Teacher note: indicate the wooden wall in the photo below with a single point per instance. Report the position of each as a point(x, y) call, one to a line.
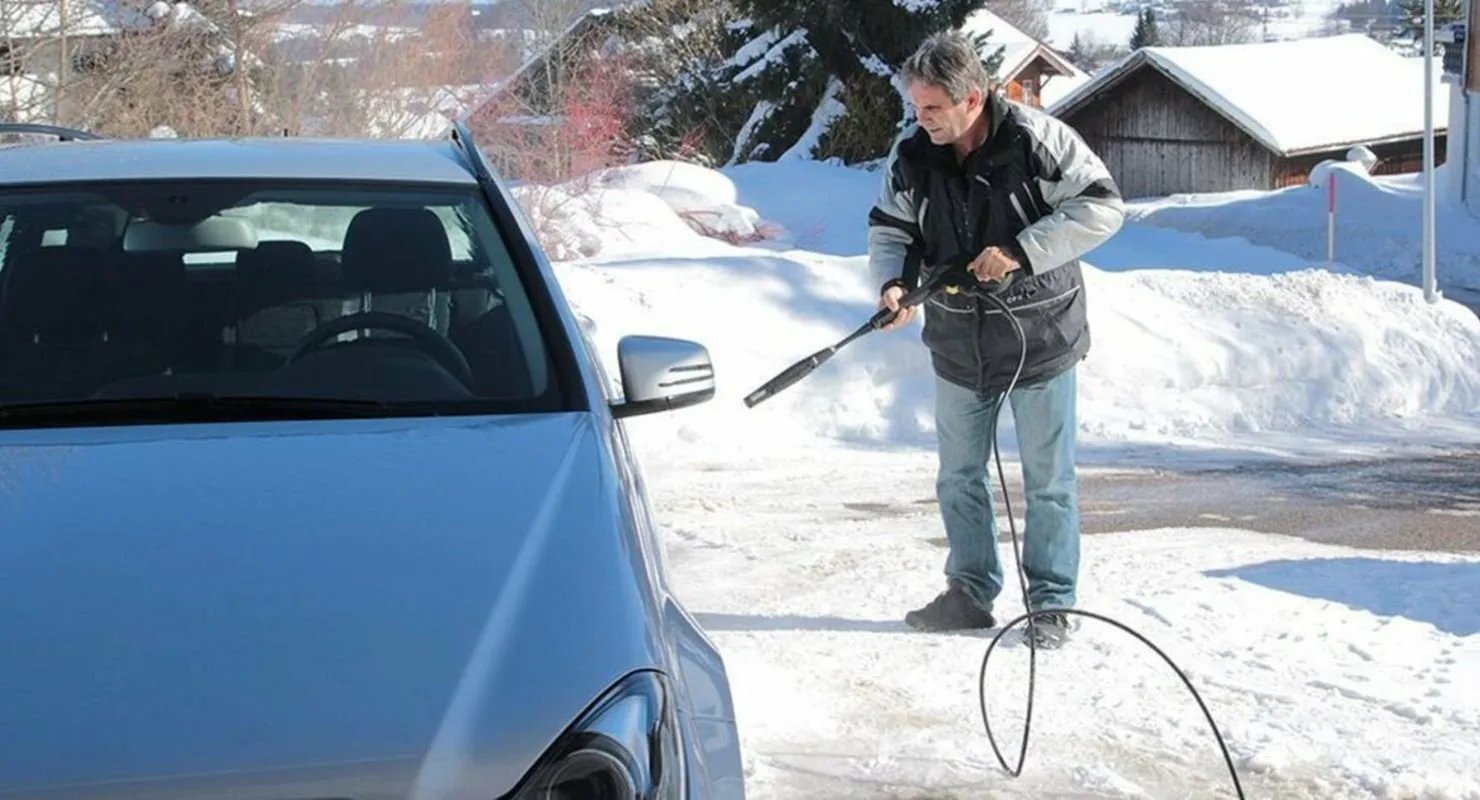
point(1394, 158)
point(1027, 84)
point(1157, 139)
point(1472, 68)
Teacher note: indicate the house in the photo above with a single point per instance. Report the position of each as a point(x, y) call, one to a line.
point(521, 118)
point(90, 62)
point(1252, 116)
point(1461, 183)
point(45, 37)
point(1030, 71)
point(526, 92)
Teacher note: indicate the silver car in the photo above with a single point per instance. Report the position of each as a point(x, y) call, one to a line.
point(312, 487)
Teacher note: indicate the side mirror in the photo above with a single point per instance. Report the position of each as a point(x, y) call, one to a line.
point(662, 374)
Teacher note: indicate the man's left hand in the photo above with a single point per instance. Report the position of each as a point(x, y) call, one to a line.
point(993, 265)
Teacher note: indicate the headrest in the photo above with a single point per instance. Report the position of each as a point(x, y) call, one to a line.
point(396, 250)
point(55, 284)
point(277, 264)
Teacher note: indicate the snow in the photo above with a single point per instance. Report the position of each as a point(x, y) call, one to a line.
point(876, 66)
point(774, 54)
point(1058, 87)
point(1103, 26)
point(1017, 47)
point(23, 98)
point(1190, 334)
point(1018, 50)
point(1331, 672)
point(801, 530)
point(624, 210)
point(754, 49)
point(703, 197)
point(44, 19)
point(1377, 224)
point(1350, 89)
point(757, 116)
point(828, 110)
point(1277, 21)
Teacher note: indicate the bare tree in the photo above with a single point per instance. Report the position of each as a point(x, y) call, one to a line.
point(1028, 16)
point(1210, 22)
point(31, 34)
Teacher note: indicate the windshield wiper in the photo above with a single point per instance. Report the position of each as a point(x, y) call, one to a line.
point(188, 407)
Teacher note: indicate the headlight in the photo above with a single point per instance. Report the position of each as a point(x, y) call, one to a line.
point(624, 748)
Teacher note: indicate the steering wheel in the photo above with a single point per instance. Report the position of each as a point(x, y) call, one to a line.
point(429, 340)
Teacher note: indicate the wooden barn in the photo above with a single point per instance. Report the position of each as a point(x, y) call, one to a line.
point(1170, 120)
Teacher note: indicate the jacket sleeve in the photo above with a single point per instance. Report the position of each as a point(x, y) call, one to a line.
point(894, 238)
point(1084, 204)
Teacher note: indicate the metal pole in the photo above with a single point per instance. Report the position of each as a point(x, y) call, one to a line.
point(1430, 290)
point(59, 97)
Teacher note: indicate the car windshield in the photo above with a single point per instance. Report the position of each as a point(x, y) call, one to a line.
point(394, 298)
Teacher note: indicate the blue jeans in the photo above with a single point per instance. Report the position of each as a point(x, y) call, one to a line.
point(1044, 416)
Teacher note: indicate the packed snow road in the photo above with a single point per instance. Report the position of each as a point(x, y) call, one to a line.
point(1332, 671)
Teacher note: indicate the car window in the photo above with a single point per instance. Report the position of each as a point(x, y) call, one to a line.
point(396, 295)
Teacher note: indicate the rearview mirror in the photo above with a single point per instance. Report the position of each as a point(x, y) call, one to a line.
point(210, 234)
point(662, 374)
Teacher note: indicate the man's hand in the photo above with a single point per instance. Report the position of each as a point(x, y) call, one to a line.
point(993, 265)
point(890, 300)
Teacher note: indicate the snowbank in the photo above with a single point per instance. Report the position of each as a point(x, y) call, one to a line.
point(1379, 224)
point(614, 210)
point(577, 222)
point(1179, 356)
point(704, 198)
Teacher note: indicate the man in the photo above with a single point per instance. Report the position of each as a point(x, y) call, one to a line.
point(1014, 195)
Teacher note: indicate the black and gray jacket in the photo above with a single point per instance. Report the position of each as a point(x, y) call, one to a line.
point(1033, 188)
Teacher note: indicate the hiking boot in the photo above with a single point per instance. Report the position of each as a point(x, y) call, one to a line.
point(1049, 631)
point(951, 610)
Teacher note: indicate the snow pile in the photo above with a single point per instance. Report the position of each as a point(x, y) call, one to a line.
point(1204, 356)
point(1179, 356)
point(574, 221)
point(706, 199)
point(1379, 223)
point(654, 204)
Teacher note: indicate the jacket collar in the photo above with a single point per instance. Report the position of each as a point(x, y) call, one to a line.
point(996, 150)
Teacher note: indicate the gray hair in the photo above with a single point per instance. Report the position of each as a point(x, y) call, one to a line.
point(948, 60)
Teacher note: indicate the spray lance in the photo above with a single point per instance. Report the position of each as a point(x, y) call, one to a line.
point(947, 279)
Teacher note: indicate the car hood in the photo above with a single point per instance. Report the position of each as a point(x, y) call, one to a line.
point(307, 609)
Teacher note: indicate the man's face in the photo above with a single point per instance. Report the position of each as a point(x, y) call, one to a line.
point(946, 121)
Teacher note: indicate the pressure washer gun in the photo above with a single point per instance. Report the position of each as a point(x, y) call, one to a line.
point(954, 277)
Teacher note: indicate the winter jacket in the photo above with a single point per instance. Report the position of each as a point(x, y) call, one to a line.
point(1033, 188)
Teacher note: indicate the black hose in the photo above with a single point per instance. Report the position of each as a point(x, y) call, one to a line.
point(1030, 616)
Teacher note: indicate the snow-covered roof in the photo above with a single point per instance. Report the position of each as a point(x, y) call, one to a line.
point(1295, 96)
point(1018, 48)
point(1059, 86)
point(23, 19)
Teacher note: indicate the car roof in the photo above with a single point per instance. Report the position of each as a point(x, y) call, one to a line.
point(286, 158)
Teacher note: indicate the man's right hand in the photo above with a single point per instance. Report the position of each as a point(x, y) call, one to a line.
point(890, 300)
